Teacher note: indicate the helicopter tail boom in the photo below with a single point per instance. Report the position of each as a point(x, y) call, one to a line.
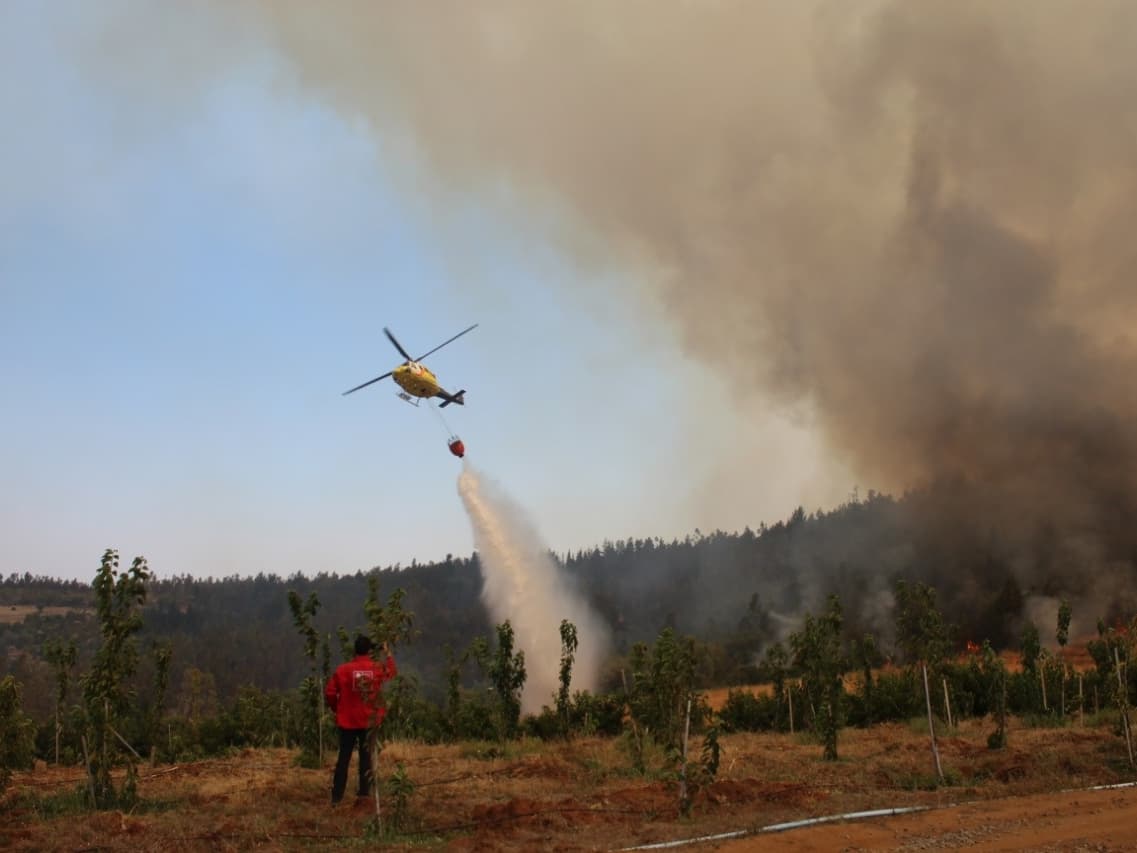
point(459, 398)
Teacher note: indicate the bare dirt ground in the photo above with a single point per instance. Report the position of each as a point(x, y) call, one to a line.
point(1087, 820)
point(583, 796)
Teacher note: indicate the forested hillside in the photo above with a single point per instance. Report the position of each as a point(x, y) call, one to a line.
point(734, 592)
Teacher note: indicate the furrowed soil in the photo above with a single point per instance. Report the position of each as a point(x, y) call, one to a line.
point(583, 796)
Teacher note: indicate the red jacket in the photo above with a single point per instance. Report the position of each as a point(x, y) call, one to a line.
point(354, 693)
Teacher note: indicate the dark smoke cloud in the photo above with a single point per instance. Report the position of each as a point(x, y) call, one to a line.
point(914, 217)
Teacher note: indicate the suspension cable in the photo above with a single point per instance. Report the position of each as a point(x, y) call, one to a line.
point(442, 418)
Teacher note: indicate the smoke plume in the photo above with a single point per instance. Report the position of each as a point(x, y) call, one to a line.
point(523, 584)
point(910, 216)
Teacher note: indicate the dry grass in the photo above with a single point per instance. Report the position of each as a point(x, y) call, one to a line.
point(1076, 655)
point(577, 796)
point(10, 614)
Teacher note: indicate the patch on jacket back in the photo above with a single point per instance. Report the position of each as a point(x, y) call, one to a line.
point(362, 681)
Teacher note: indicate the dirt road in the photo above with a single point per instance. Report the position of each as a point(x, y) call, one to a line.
point(1082, 821)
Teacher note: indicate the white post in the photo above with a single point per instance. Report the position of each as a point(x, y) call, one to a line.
point(932, 726)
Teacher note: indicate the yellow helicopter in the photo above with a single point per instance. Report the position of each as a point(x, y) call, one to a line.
point(415, 378)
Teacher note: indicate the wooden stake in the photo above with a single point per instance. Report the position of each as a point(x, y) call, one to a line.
point(373, 746)
point(1003, 710)
point(790, 696)
point(1081, 717)
point(932, 726)
point(631, 716)
point(1123, 701)
point(1042, 679)
point(90, 773)
point(683, 768)
point(122, 740)
point(947, 706)
point(1062, 696)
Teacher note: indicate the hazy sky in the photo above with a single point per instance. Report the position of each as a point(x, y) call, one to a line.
point(190, 279)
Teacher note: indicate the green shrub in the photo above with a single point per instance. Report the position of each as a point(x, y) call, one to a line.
point(897, 697)
point(597, 714)
point(545, 725)
point(17, 732)
point(475, 718)
point(745, 712)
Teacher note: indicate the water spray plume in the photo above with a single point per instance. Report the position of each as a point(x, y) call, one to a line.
point(524, 584)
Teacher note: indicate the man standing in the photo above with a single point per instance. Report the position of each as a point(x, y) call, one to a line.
point(354, 693)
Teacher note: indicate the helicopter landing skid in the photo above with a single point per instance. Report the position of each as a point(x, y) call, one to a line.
point(407, 398)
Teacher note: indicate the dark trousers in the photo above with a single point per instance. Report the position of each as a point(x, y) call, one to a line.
point(349, 738)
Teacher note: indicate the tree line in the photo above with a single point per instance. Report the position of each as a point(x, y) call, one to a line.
point(208, 664)
point(106, 715)
point(736, 592)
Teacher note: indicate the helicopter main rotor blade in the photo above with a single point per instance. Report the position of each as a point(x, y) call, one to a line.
point(444, 343)
point(365, 384)
point(398, 345)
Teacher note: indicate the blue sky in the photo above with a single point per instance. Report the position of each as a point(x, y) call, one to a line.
point(187, 288)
